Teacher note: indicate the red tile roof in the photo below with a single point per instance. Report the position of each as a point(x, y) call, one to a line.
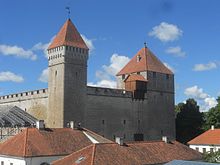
point(210, 137)
point(48, 142)
point(148, 62)
point(135, 77)
point(68, 36)
point(136, 153)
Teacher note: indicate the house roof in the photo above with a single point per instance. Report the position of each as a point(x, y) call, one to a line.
point(147, 62)
point(136, 153)
point(32, 142)
point(68, 36)
point(135, 77)
point(182, 162)
point(210, 137)
point(11, 116)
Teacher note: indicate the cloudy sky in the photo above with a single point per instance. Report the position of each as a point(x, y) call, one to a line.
point(185, 35)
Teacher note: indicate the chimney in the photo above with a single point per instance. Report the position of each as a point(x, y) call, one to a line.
point(72, 124)
point(40, 124)
point(119, 140)
point(165, 139)
point(212, 127)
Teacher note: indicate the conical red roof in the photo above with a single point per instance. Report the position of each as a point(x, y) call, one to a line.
point(68, 36)
point(147, 62)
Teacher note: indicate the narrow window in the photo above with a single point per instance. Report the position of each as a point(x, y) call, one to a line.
point(103, 122)
point(21, 94)
point(154, 74)
point(204, 150)
point(124, 121)
point(44, 91)
point(211, 149)
point(114, 136)
point(123, 77)
point(32, 93)
point(26, 93)
point(56, 73)
point(38, 92)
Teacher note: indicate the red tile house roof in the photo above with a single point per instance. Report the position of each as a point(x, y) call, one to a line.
point(147, 62)
point(136, 153)
point(68, 36)
point(32, 142)
point(210, 137)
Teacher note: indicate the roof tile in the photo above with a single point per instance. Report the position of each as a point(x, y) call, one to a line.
point(147, 62)
point(68, 36)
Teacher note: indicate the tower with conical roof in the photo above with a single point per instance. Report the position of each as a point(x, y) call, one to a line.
point(67, 55)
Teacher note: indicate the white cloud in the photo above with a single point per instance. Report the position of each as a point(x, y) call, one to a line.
point(166, 32)
point(206, 101)
point(89, 42)
point(8, 50)
point(106, 76)
point(169, 67)
point(176, 51)
point(42, 46)
point(44, 76)
point(204, 67)
point(9, 76)
point(195, 92)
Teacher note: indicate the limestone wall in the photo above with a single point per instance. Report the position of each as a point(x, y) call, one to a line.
point(34, 102)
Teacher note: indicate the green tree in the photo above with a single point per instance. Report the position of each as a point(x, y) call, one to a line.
point(189, 121)
point(212, 117)
point(212, 157)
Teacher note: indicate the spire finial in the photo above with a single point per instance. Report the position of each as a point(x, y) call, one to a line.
point(68, 11)
point(145, 44)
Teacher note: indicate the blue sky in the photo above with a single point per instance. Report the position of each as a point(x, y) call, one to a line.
point(183, 34)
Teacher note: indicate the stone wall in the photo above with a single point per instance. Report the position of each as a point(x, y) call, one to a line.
point(34, 102)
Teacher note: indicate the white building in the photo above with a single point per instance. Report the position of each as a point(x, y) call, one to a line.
point(209, 141)
point(41, 146)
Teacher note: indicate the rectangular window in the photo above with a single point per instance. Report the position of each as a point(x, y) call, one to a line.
point(138, 73)
point(197, 148)
point(103, 121)
point(123, 77)
point(154, 74)
point(211, 149)
point(2, 163)
point(203, 150)
point(11, 163)
point(124, 121)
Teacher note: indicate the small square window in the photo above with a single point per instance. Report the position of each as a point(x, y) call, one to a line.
point(211, 149)
point(138, 73)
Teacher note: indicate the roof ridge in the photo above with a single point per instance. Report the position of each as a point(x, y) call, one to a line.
point(25, 142)
point(93, 154)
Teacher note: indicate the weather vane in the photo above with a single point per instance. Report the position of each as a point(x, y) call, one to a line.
point(68, 11)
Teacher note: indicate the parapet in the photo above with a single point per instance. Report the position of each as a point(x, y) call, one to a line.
point(24, 96)
point(99, 91)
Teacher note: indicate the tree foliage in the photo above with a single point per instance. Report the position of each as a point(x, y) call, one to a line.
point(189, 121)
point(212, 157)
point(212, 117)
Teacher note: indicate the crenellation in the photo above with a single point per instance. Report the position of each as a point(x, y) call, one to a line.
point(99, 91)
point(24, 96)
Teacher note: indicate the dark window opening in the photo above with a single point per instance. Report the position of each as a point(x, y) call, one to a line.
point(154, 74)
point(113, 136)
point(123, 76)
point(124, 121)
point(32, 93)
point(56, 73)
point(204, 150)
point(138, 137)
point(103, 121)
point(197, 148)
point(138, 73)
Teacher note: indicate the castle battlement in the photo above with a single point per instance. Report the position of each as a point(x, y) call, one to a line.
point(40, 93)
point(99, 91)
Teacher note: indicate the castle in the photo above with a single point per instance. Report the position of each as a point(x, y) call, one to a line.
point(141, 108)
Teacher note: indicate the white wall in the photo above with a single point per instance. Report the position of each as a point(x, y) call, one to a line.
point(207, 147)
point(27, 161)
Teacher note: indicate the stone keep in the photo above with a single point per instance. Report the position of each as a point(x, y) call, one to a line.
point(67, 55)
point(141, 108)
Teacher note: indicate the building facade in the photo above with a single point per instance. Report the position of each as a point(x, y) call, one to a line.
point(141, 108)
